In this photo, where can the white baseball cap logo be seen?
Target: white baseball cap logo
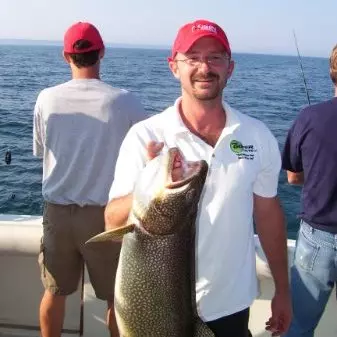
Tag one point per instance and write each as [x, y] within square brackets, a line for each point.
[208, 28]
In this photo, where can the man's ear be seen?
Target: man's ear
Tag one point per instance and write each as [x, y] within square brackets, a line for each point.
[101, 53]
[230, 69]
[66, 57]
[174, 68]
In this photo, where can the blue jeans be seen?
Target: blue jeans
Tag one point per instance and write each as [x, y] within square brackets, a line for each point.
[313, 276]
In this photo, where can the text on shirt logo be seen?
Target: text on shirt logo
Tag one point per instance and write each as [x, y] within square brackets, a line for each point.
[242, 151]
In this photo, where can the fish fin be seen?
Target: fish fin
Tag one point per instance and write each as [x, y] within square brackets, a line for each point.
[201, 329]
[112, 234]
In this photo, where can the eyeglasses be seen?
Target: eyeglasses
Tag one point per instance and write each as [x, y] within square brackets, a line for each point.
[213, 60]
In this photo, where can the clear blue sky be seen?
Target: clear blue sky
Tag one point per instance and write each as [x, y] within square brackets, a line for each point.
[258, 26]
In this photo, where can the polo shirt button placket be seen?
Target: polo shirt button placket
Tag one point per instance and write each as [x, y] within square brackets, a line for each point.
[211, 162]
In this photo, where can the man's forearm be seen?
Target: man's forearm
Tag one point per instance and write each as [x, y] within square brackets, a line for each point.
[295, 178]
[117, 212]
[270, 225]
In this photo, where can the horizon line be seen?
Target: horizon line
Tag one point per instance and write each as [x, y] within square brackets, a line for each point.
[38, 42]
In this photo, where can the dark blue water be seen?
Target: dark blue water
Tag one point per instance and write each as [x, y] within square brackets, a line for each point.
[267, 87]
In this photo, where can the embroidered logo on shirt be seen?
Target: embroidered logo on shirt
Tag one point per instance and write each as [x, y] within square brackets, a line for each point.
[242, 151]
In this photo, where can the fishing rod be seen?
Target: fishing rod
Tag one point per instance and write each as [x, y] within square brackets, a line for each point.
[300, 60]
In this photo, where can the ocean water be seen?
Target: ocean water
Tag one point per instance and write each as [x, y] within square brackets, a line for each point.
[264, 86]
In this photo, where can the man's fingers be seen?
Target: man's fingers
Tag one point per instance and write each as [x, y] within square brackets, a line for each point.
[271, 325]
[153, 149]
[275, 326]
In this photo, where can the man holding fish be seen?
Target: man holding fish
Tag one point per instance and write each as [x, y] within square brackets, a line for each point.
[241, 183]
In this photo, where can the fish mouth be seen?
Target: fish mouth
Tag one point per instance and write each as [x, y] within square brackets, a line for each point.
[184, 173]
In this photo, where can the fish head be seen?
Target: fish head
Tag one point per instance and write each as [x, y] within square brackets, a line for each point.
[162, 201]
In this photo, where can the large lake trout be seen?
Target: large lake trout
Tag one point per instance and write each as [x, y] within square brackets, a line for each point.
[155, 281]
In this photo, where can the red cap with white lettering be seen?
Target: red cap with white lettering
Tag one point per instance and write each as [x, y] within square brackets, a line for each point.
[193, 31]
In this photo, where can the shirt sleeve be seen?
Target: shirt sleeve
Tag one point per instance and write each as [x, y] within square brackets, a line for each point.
[266, 183]
[291, 155]
[38, 131]
[131, 160]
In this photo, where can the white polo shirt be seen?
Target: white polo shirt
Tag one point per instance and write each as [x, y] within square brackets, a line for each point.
[245, 160]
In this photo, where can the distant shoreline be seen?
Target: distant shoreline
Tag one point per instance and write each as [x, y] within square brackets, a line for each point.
[24, 42]
[38, 43]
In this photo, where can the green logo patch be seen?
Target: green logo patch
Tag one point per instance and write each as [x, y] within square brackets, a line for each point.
[246, 152]
[236, 146]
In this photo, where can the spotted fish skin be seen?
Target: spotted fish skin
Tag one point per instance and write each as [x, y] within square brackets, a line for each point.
[151, 298]
[155, 281]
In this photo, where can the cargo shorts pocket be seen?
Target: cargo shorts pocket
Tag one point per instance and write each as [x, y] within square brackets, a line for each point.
[306, 251]
[41, 258]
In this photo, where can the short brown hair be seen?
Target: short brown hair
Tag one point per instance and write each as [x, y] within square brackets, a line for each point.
[87, 59]
[333, 65]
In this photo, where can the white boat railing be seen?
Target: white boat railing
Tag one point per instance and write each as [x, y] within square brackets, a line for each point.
[21, 289]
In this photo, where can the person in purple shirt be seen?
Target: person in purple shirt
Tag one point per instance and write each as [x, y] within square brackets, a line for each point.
[310, 158]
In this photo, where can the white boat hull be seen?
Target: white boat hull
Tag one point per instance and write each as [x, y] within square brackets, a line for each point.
[21, 289]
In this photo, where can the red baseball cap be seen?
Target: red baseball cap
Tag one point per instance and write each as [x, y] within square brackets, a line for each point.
[193, 31]
[82, 31]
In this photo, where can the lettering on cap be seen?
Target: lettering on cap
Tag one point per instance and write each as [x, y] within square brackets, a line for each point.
[209, 28]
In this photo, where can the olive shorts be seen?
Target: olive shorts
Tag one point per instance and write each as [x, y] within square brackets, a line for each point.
[63, 252]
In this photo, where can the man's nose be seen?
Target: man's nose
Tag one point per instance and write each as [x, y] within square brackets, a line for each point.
[204, 63]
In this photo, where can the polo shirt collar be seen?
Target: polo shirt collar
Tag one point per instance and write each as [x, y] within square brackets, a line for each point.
[177, 126]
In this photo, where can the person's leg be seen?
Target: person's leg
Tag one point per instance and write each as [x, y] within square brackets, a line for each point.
[312, 279]
[232, 325]
[101, 260]
[52, 310]
[60, 265]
